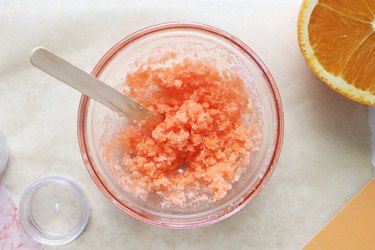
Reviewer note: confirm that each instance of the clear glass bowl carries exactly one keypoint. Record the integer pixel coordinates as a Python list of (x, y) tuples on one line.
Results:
[(230, 52)]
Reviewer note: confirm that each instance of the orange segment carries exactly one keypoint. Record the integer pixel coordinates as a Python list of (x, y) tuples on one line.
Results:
[(371, 5), (337, 39), (354, 8), (362, 73)]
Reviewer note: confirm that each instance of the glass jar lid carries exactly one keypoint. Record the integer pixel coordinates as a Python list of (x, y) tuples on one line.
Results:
[(53, 210)]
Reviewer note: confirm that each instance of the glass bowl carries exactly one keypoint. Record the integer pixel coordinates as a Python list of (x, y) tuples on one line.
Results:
[(230, 52)]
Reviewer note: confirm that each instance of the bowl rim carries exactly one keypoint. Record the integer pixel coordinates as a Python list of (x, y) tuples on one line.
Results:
[(224, 213)]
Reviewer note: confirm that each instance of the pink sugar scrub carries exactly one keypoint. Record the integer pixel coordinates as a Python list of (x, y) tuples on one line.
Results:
[(206, 131)]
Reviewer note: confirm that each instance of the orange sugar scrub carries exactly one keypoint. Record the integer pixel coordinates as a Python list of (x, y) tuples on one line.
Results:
[(206, 131)]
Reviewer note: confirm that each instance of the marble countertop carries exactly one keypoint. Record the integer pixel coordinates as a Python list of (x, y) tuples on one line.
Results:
[(326, 156)]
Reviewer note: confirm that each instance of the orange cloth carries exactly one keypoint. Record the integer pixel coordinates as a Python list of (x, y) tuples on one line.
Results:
[(353, 227)]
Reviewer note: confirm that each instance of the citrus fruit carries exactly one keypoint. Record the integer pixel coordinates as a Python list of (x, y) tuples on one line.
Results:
[(337, 39)]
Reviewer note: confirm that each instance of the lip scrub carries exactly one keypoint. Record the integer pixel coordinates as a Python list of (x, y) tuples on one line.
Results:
[(206, 129)]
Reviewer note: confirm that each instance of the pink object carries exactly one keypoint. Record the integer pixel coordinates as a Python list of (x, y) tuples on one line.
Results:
[(12, 235)]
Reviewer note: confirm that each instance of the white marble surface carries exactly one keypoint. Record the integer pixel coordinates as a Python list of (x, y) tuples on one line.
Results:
[(326, 156)]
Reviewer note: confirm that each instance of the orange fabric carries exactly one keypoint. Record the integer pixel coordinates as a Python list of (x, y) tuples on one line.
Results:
[(353, 227)]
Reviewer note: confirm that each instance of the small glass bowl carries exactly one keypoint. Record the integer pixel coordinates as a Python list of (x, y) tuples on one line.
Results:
[(231, 52), (53, 210)]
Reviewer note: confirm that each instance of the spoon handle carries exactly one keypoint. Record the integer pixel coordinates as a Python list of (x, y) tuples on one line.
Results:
[(89, 85)]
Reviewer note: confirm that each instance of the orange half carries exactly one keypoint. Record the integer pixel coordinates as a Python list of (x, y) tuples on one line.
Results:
[(337, 39)]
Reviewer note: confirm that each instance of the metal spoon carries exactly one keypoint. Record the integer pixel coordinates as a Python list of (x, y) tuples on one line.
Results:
[(87, 84)]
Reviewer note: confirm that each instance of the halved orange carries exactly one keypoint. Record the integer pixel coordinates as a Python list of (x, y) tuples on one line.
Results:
[(337, 39)]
